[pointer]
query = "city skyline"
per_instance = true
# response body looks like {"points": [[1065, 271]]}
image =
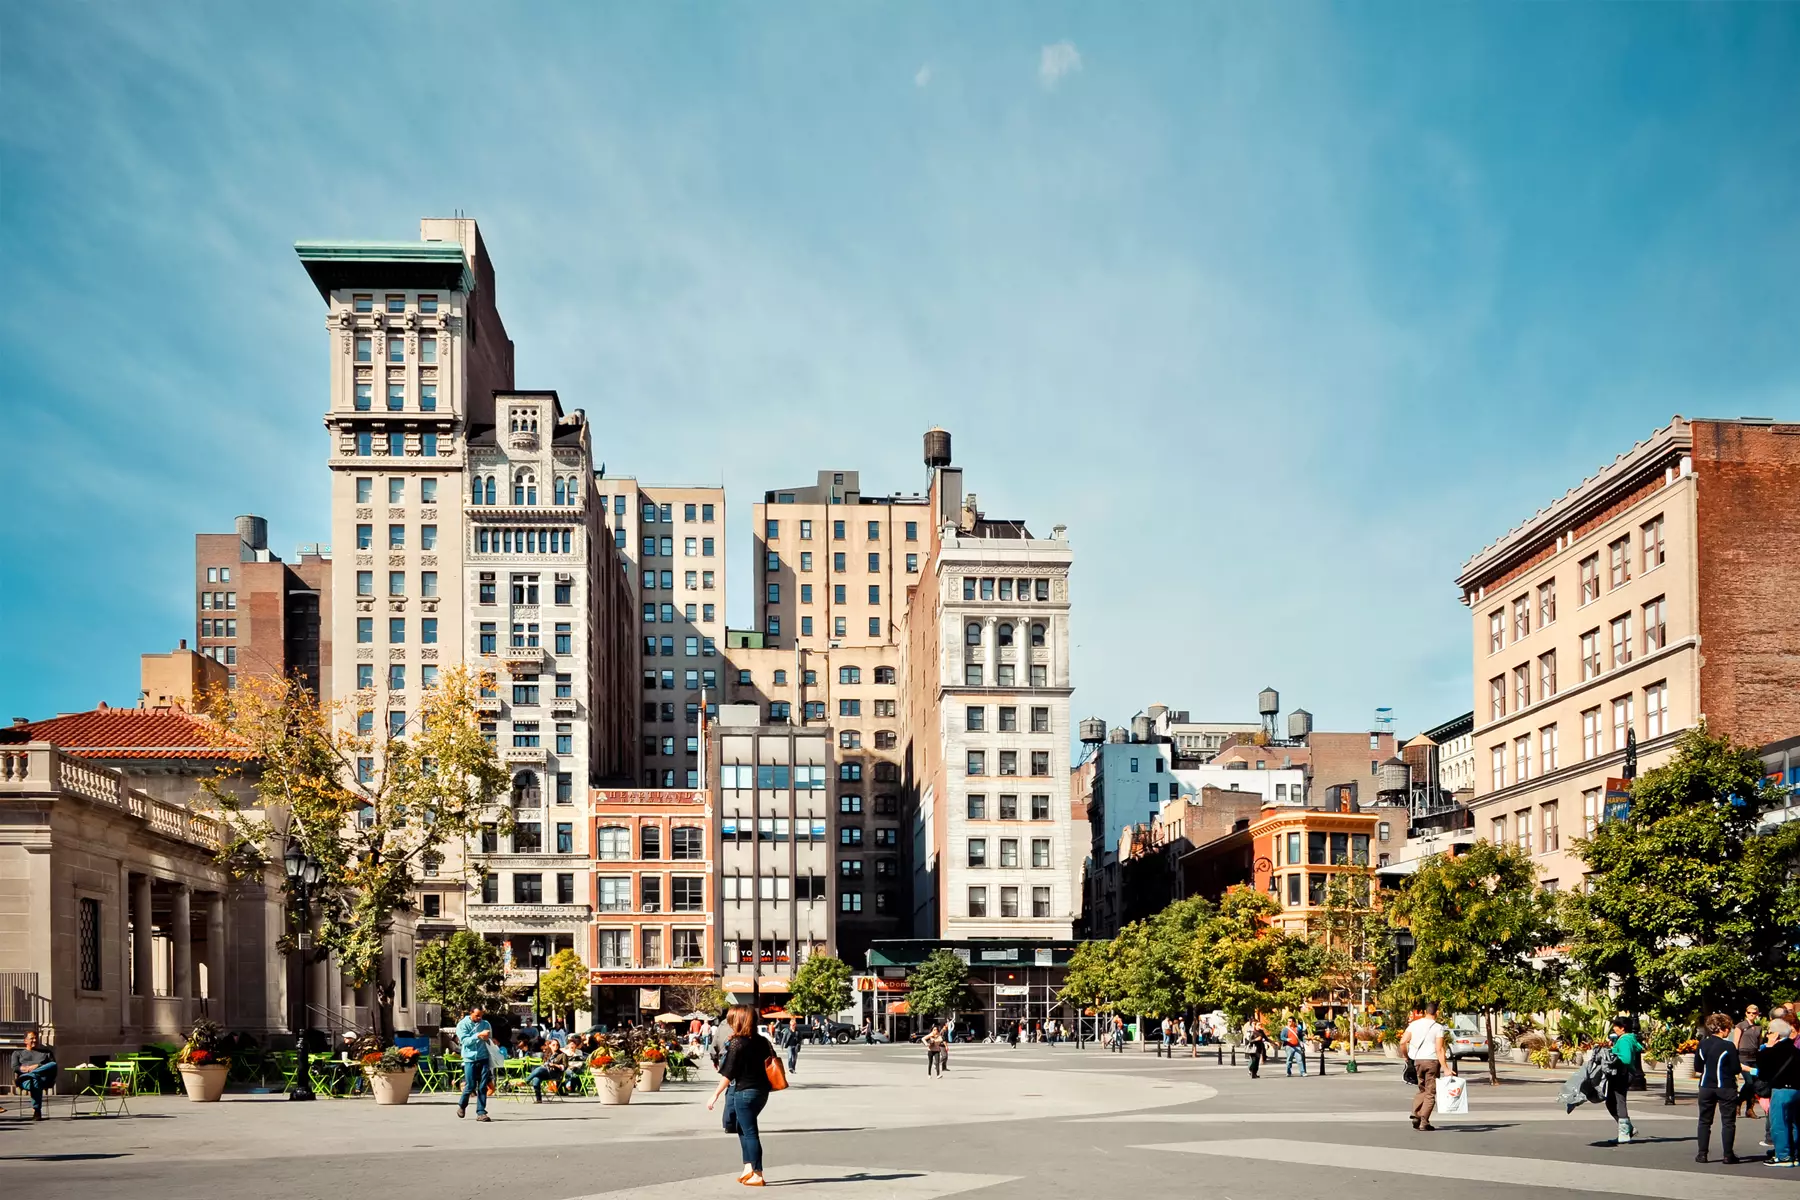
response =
{"points": [[822, 236]]}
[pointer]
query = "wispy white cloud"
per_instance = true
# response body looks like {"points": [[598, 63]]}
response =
{"points": [[1057, 60], [922, 77]]}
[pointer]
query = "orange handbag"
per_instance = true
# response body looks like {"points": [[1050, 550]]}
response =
{"points": [[776, 1072]]}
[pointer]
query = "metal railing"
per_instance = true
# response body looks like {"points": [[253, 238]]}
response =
{"points": [[20, 1002]]}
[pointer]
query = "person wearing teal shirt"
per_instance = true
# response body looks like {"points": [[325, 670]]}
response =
{"points": [[1628, 1052], [473, 1036]]}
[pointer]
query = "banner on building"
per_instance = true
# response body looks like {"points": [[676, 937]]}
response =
{"points": [[649, 998], [1618, 800]]}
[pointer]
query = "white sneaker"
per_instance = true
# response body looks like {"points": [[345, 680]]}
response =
{"points": [[1624, 1139]]}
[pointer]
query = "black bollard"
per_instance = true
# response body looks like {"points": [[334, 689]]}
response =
{"points": [[1321, 1058], [1221, 1054], [1669, 1085], [1234, 1054]]}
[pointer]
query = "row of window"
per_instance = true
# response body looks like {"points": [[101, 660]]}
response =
{"points": [[851, 739], [528, 838], [1316, 885], [566, 490], [527, 888], [395, 302], [612, 843], [527, 794], [667, 778], [772, 887], [810, 678], [1322, 849], [614, 948], [852, 902], [393, 445], [694, 581], [850, 707], [524, 541], [396, 350], [975, 721], [225, 601], [522, 635], [1008, 809], [365, 629], [218, 574], [221, 654], [396, 489], [885, 868], [840, 626], [669, 746], [1593, 736], [767, 777], [773, 593], [1652, 554], [222, 628], [1008, 762], [527, 735], [885, 805], [521, 589], [396, 585], [1009, 853], [1009, 902], [1005, 675], [651, 512], [840, 564], [1653, 635], [973, 633], [988, 588], [364, 400], [396, 537], [772, 531], [691, 681], [690, 547], [691, 711], [396, 677]]}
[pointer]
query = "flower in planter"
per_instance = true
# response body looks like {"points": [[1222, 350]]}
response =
{"points": [[390, 1061], [203, 1047], [653, 1053]]}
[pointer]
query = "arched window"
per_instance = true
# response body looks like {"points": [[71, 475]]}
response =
{"points": [[524, 488], [525, 791], [972, 633], [490, 491], [1005, 634], [1037, 633], [559, 489]]}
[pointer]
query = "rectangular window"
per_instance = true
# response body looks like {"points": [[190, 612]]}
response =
{"points": [[1590, 734], [1496, 697], [1040, 852], [1590, 579], [1653, 543], [1496, 631], [977, 852], [1590, 811], [1009, 852], [1549, 838], [396, 630], [1621, 709], [1656, 710], [978, 902], [1656, 625], [1548, 756], [428, 397], [1619, 564], [1546, 674], [527, 889], [1522, 829], [977, 806], [1497, 761], [396, 350], [1590, 655], [364, 397], [1521, 617], [977, 762], [1521, 687], [396, 397], [1522, 758], [1546, 594], [1621, 641], [1009, 901]]}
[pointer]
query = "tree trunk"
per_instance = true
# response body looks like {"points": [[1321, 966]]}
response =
{"points": [[1493, 1063]]}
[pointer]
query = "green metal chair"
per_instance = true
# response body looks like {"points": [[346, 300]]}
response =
{"points": [[433, 1075]]}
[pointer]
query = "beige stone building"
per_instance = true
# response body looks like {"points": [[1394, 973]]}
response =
{"points": [[1654, 594]]}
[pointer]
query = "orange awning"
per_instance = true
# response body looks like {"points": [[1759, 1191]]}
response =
{"points": [[897, 1008], [743, 983]]}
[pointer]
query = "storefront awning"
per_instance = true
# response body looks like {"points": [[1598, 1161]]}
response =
{"points": [[897, 1009], [743, 983]]}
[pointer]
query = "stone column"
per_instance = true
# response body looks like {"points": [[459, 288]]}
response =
{"points": [[143, 962], [122, 961], [181, 922], [215, 956]]}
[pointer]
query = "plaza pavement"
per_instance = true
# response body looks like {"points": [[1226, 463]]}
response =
{"points": [[867, 1123]]}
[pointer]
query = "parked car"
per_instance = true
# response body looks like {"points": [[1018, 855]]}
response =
{"points": [[841, 1032], [1467, 1040]]}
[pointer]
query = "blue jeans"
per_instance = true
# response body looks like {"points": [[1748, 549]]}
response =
{"points": [[37, 1083], [746, 1103], [538, 1077], [476, 1073], [1784, 1123], [1296, 1054]]}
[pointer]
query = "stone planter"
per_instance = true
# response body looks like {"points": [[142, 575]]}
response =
{"points": [[204, 1085], [615, 1084], [650, 1076], [1684, 1069], [392, 1087], [1518, 1054], [1390, 1049]]}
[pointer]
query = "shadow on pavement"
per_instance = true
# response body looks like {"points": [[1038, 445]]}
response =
{"points": [[858, 1177]]}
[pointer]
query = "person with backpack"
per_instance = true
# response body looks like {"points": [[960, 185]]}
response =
{"points": [[745, 1080], [1296, 1051]]}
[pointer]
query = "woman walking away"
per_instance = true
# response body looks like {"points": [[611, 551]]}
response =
{"points": [[744, 1083], [1627, 1050], [1717, 1069]]}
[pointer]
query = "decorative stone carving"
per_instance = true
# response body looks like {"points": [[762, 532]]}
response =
{"points": [[365, 604], [396, 653], [428, 514], [429, 654], [428, 560], [429, 604], [345, 323], [365, 652], [365, 560], [365, 514], [396, 560], [396, 514], [397, 604]]}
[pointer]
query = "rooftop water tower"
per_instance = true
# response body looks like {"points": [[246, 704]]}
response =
{"points": [[1268, 704]]}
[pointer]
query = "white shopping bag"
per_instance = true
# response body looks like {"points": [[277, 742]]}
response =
{"points": [[1452, 1094]]}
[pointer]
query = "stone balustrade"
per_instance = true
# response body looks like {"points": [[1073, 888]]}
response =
{"points": [[39, 768]]}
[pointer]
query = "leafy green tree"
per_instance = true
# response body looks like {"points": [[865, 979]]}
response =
{"points": [[1093, 977], [939, 986], [1477, 920], [1152, 961], [1241, 964], [1352, 940], [373, 808], [1691, 903], [461, 971], [564, 987], [821, 987], [705, 996]]}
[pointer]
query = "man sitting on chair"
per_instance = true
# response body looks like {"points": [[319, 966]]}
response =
{"points": [[34, 1072]]}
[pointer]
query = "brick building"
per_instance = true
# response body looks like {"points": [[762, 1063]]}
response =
{"points": [[1656, 594], [255, 614]]}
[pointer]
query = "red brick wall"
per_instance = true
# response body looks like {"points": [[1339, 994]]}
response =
{"points": [[1748, 534]]}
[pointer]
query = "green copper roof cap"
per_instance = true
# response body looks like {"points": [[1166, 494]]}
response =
{"points": [[412, 265]]}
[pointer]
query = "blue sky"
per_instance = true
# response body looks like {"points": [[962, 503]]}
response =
{"points": [[1284, 310]]}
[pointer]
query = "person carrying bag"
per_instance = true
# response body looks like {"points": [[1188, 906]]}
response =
{"points": [[750, 1071]]}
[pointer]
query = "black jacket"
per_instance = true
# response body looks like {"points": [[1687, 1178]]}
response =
{"points": [[1778, 1066], [1716, 1063]]}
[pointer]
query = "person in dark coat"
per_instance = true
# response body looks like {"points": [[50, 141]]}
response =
{"points": [[1717, 1069]]}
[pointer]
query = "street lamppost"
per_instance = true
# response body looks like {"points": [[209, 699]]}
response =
{"points": [[537, 960], [303, 872]]}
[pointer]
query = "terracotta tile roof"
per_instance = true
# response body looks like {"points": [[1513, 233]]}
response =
{"points": [[143, 733]]}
